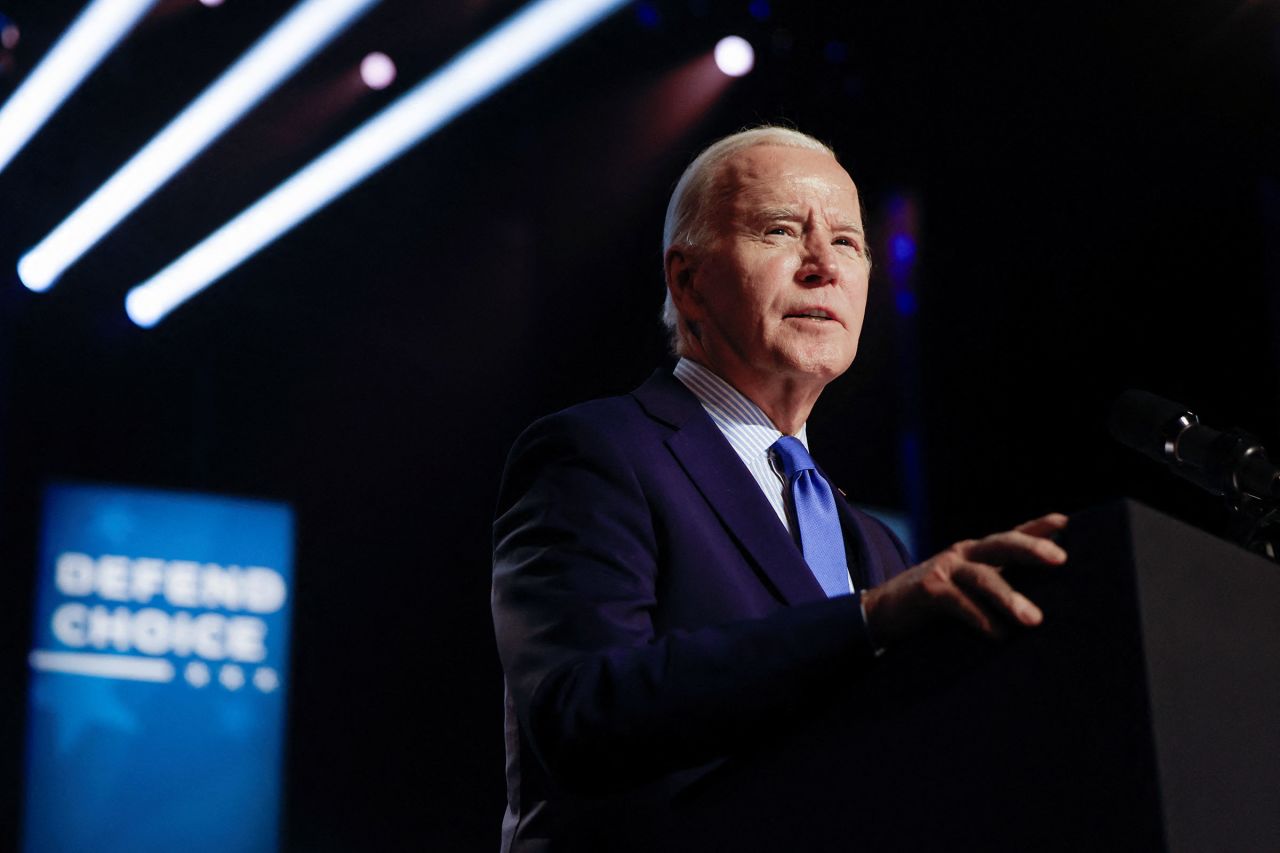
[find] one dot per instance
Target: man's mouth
(817, 314)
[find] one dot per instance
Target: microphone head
(1149, 424)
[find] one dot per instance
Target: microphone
(1230, 463)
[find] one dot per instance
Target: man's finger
(963, 608)
(1015, 546)
(1045, 525)
(989, 587)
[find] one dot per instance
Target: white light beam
(290, 43)
(91, 36)
(504, 53)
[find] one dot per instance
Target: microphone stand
(1255, 524)
(1238, 469)
(1231, 463)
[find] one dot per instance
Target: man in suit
(657, 607)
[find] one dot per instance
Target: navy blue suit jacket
(652, 615)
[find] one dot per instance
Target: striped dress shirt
(748, 429)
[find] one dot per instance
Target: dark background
(1097, 201)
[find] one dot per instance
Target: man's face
(779, 291)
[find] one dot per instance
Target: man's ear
(680, 269)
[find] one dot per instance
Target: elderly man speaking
(673, 575)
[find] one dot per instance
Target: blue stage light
(647, 14)
(504, 53)
(291, 42)
(903, 248)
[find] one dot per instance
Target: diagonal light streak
(91, 36)
(286, 46)
(504, 53)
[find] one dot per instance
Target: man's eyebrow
(777, 214)
(786, 214)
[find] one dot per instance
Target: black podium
(1144, 714)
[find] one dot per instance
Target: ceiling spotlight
(377, 71)
(93, 34)
(211, 3)
(734, 56)
(294, 39)
(509, 50)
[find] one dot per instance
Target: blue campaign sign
(159, 667)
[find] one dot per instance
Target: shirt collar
(743, 423)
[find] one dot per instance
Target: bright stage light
(377, 71)
(504, 53)
(291, 42)
(734, 56)
(90, 37)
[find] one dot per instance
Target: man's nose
(819, 264)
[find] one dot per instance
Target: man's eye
(778, 229)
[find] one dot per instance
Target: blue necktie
(816, 516)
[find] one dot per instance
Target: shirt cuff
(875, 648)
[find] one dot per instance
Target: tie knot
(792, 456)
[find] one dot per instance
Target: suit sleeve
(602, 698)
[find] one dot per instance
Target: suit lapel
(873, 555)
(862, 564)
(728, 487)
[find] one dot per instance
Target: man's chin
(822, 366)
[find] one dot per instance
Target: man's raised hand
(964, 582)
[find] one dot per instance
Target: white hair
(688, 222)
